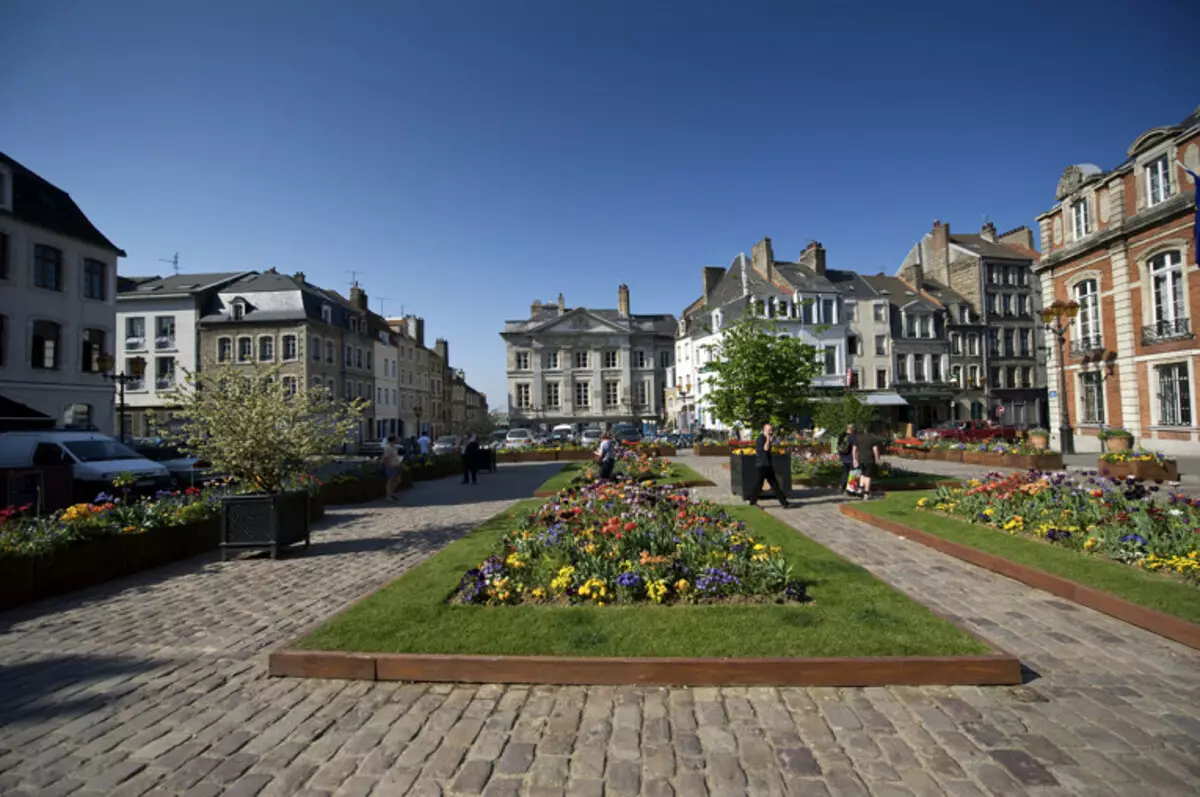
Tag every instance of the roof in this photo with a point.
(177, 283)
(985, 248)
(39, 202)
(943, 294)
(898, 291)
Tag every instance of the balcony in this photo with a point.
(164, 342)
(1082, 347)
(135, 344)
(1164, 331)
(164, 383)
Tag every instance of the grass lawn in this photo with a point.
(852, 614)
(563, 479)
(1153, 591)
(928, 479)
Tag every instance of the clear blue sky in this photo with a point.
(465, 158)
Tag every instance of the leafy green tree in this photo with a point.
(756, 376)
(834, 416)
(247, 422)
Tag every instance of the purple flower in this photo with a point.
(1134, 538)
(628, 580)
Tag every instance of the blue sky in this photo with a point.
(465, 158)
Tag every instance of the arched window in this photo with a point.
(1166, 283)
(1087, 323)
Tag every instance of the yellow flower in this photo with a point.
(682, 586)
(539, 593)
(921, 502)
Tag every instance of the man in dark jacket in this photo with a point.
(470, 460)
(765, 467)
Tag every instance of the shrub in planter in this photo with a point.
(1116, 439)
(1039, 438)
(248, 424)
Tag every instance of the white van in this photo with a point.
(96, 459)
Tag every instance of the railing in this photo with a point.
(164, 342)
(164, 383)
(135, 384)
(1083, 346)
(1163, 331)
(134, 344)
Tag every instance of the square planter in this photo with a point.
(1150, 471)
(712, 451)
(487, 459)
(952, 455)
(743, 475)
(316, 507)
(264, 522)
(1051, 460)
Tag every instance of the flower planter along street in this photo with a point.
(1139, 464)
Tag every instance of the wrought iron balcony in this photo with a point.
(135, 344)
(1163, 331)
(1081, 347)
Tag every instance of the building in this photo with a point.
(988, 289)
(800, 297)
(58, 282)
(414, 376)
(386, 343)
(158, 321)
(1122, 243)
(587, 367)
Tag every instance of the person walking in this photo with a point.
(606, 456)
(765, 467)
(423, 441)
(845, 450)
(392, 468)
(470, 460)
(865, 455)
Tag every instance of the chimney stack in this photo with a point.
(562, 305)
(299, 277)
(940, 254)
(535, 308)
(623, 301)
(988, 232)
(813, 256)
(442, 347)
(712, 278)
(1021, 236)
(744, 266)
(358, 297)
(764, 259)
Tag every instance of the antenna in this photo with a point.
(381, 300)
(173, 261)
(353, 277)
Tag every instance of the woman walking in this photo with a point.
(392, 463)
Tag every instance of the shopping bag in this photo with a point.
(852, 482)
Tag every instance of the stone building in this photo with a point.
(58, 307)
(1122, 244)
(587, 367)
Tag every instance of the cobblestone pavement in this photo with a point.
(156, 685)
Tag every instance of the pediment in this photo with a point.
(1149, 139)
(579, 322)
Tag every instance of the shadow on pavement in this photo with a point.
(25, 688)
(508, 483)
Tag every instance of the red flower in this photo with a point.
(630, 526)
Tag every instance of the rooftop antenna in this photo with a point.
(381, 300)
(353, 278)
(173, 261)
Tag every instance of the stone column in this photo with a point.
(1125, 344)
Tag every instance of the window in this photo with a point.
(1006, 303)
(611, 393)
(664, 359)
(991, 304)
(245, 350)
(1091, 395)
(1174, 395)
(972, 376)
(955, 343)
(3, 252)
(1022, 304)
(1010, 376)
(550, 360)
(831, 367)
(828, 311)
(266, 349)
(642, 394)
(224, 350)
(1026, 376)
(609, 359)
(93, 347)
(926, 323)
(164, 372)
(1166, 278)
(996, 374)
(1008, 343)
(918, 367)
(239, 310)
(1022, 275)
(78, 415)
(137, 383)
(290, 386)
(327, 313)
(902, 369)
(880, 378)
(1026, 336)
(994, 342)
(581, 361)
(290, 351)
(552, 394)
(881, 344)
(993, 272)
(935, 368)
(358, 390)
(353, 324)
(973, 345)
(44, 345)
(640, 360)
(164, 332)
(370, 360)
(349, 389)
(94, 272)
(1158, 181)
(358, 358)
(379, 395)
(47, 267)
(315, 347)
(583, 393)
(331, 353)
(880, 313)
(851, 310)
(1081, 219)
(956, 375)
(3, 340)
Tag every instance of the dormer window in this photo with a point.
(716, 320)
(238, 310)
(1158, 181)
(1081, 219)
(327, 313)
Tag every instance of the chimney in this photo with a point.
(917, 273)
(535, 308)
(988, 232)
(358, 297)
(443, 350)
(940, 254)
(744, 266)
(813, 256)
(764, 259)
(562, 305)
(1022, 236)
(623, 301)
(298, 277)
(712, 278)
(419, 330)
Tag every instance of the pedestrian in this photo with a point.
(470, 460)
(845, 450)
(865, 453)
(392, 467)
(424, 442)
(765, 467)
(606, 456)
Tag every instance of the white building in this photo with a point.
(58, 285)
(388, 418)
(158, 335)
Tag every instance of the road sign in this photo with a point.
(1000, 410)
(1053, 394)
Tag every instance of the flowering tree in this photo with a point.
(756, 376)
(247, 422)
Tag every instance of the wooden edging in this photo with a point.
(1166, 625)
(984, 670)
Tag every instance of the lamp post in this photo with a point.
(417, 415)
(683, 405)
(1056, 319)
(137, 372)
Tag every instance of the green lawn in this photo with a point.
(929, 479)
(1157, 592)
(852, 614)
(563, 479)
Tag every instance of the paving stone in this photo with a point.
(473, 776)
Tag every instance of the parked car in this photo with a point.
(626, 433)
(518, 438)
(447, 444)
(590, 437)
(188, 471)
(496, 438)
(564, 431)
(96, 460)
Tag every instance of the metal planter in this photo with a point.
(264, 522)
(743, 475)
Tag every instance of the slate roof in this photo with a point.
(943, 294)
(176, 283)
(985, 248)
(270, 297)
(39, 202)
(899, 292)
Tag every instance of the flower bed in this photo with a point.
(826, 471)
(1139, 464)
(1125, 520)
(630, 466)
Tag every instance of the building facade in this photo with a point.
(58, 314)
(1122, 244)
(587, 367)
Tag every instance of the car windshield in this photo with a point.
(518, 435)
(100, 450)
(160, 453)
(445, 440)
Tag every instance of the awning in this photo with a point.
(887, 399)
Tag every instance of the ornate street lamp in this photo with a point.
(417, 414)
(1056, 319)
(137, 372)
(683, 405)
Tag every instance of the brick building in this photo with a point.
(1121, 243)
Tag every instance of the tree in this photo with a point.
(834, 416)
(757, 376)
(247, 423)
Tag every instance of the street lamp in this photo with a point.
(417, 414)
(137, 372)
(683, 405)
(1056, 319)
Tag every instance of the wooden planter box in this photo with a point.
(573, 455)
(1150, 471)
(263, 522)
(657, 451)
(978, 458)
(951, 455)
(712, 451)
(85, 564)
(1051, 460)
(743, 475)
